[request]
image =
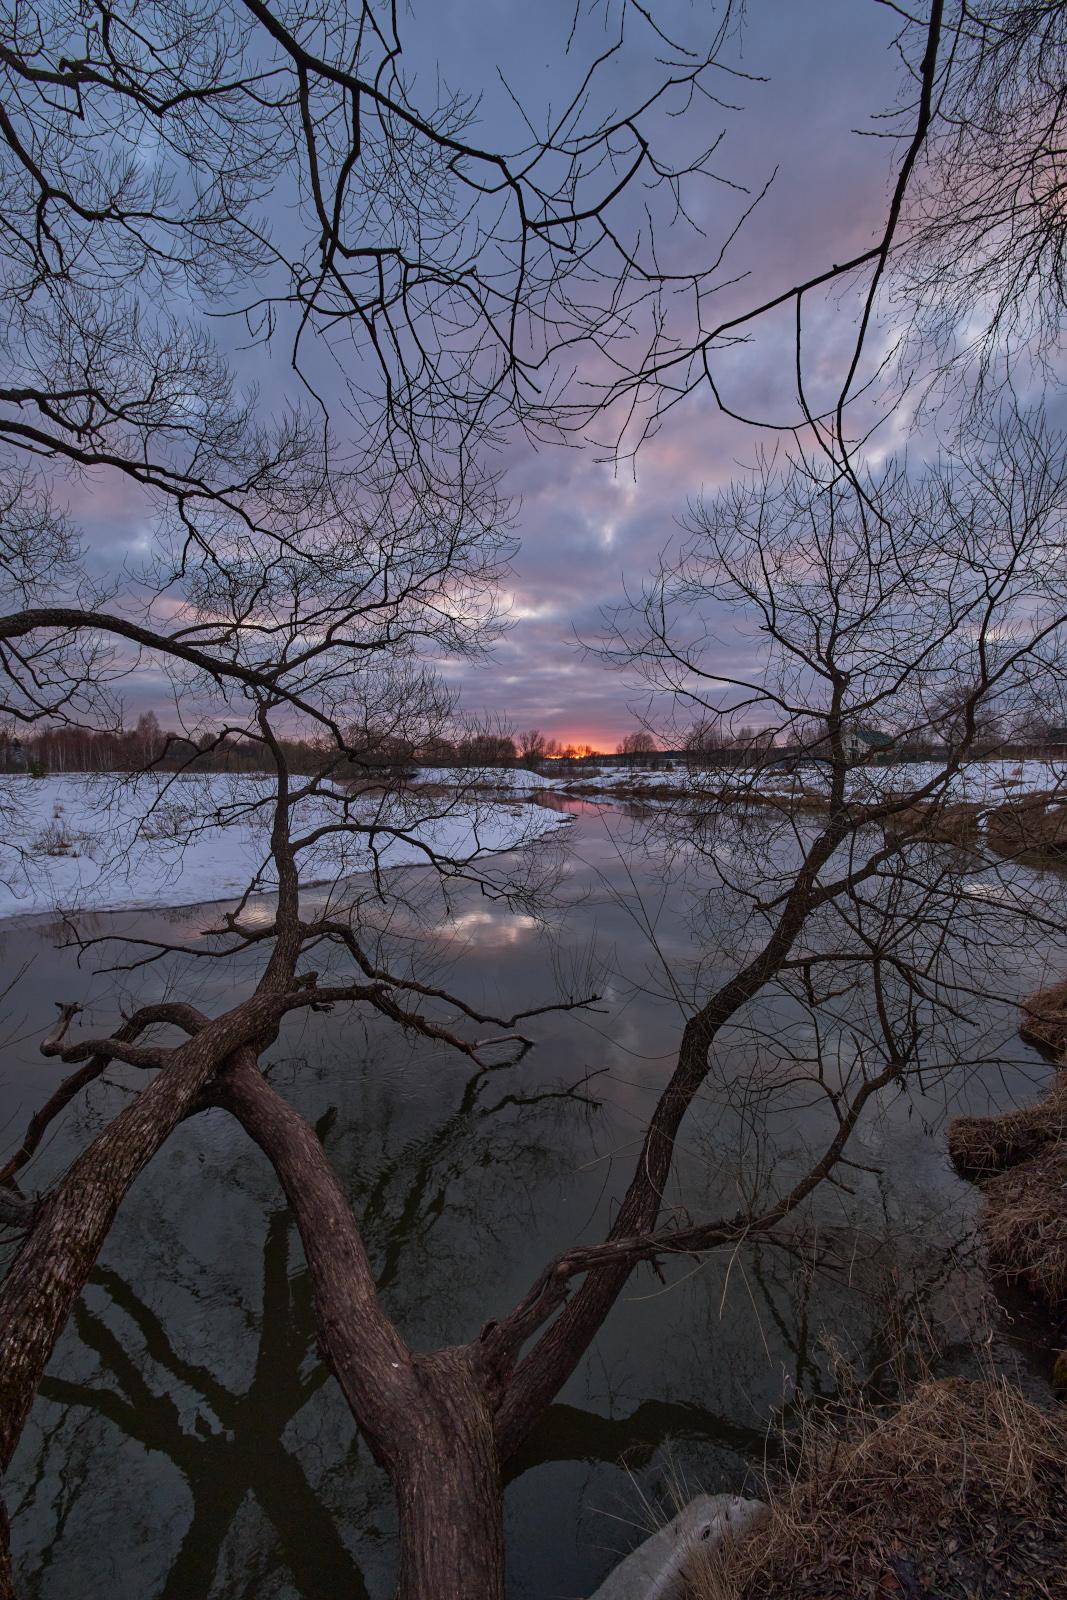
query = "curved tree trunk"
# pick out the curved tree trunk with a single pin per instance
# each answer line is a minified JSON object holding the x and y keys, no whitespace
{"x":54,"y":1262}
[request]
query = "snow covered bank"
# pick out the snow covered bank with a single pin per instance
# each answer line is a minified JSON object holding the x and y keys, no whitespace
{"x":498,"y":778}
{"x":978,"y":782}
{"x":110,"y":843}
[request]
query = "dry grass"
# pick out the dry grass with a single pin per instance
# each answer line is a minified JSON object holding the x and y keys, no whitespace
{"x":965,"y":1481}
{"x":1044,"y":1021}
{"x":1020,"y":1162}
{"x":1034,"y":828}
{"x":938,"y":824}
{"x":1026,"y":1224}
{"x":982,"y":1147}
{"x":58,"y":840}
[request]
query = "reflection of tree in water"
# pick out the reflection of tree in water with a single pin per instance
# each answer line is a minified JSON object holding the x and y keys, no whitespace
{"x":235,"y":1443}
{"x":229,"y":1444}
{"x":572,"y":1433}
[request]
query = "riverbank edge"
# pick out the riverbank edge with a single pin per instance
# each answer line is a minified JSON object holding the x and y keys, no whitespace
{"x":1019,"y":1161}
{"x":959,"y":1491}
{"x":1030,"y":828}
{"x":966,"y":1479}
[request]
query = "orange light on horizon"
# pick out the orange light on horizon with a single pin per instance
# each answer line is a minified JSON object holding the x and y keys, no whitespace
{"x":603,"y":743}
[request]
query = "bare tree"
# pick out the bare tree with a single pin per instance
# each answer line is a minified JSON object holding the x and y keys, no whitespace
{"x":859,"y":921}
{"x":290,"y":581}
{"x":638,"y":747}
{"x":532,"y":746}
{"x":981,"y":271}
{"x":296,"y":571}
{"x":963,"y":282}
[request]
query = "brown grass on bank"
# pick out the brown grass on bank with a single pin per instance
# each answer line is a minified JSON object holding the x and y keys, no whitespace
{"x":1026,"y":1224}
{"x":1031,"y":828}
{"x":936,"y":823}
{"x":982,"y":1147}
{"x":1019,"y":1160}
{"x":1044,"y":1021}
{"x":960,"y":1491}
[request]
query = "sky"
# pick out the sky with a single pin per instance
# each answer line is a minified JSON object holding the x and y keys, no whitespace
{"x":587,"y":528}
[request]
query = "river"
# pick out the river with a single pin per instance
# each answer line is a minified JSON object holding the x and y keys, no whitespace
{"x":188,"y":1443}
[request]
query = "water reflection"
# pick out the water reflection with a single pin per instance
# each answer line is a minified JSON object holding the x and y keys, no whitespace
{"x":188,"y":1443}
{"x":233,"y":1444}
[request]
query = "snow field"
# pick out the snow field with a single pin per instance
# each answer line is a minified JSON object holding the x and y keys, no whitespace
{"x":109,"y":843}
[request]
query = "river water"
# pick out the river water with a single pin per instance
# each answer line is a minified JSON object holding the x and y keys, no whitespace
{"x":188,"y":1443}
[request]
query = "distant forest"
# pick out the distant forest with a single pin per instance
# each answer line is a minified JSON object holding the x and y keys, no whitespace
{"x":66,"y":748}
{"x":150,"y":746}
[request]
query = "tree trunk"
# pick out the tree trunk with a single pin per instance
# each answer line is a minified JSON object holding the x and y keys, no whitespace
{"x":53,"y":1264}
{"x":429,"y":1419}
{"x":448,"y":1489}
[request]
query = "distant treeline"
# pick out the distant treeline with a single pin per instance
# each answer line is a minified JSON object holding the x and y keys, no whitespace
{"x":148,"y":745}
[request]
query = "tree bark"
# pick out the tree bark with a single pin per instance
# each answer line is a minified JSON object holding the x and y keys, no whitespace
{"x":54,"y":1262}
{"x":429,"y":1419}
{"x":448,"y":1487}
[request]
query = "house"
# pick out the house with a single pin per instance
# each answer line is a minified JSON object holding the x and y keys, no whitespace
{"x":861,"y":743}
{"x":858,"y":743}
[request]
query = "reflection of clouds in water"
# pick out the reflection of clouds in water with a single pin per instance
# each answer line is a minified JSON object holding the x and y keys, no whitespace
{"x":204,"y":1249}
{"x":259,"y":913}
{"x":483,"y":927}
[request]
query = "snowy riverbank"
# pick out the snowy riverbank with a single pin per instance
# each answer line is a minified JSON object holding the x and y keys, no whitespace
{"x":110,"y":843}
{"x":976,"y":783}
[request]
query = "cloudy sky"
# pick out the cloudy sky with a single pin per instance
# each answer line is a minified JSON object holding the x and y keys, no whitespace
{"x":819,"y":73}
{"x":586,"y":526}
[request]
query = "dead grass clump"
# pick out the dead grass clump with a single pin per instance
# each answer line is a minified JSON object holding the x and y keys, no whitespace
{"x":1044,"y":1021}
{"x":982,"y":1147}
{"x":939,"y":824}
{"x":1032,"y":828}
{"x":1020,"y":1161}
{"x":1026,"y":1224}
{"x":963,"y":1485}
{"x":57,"y":840}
